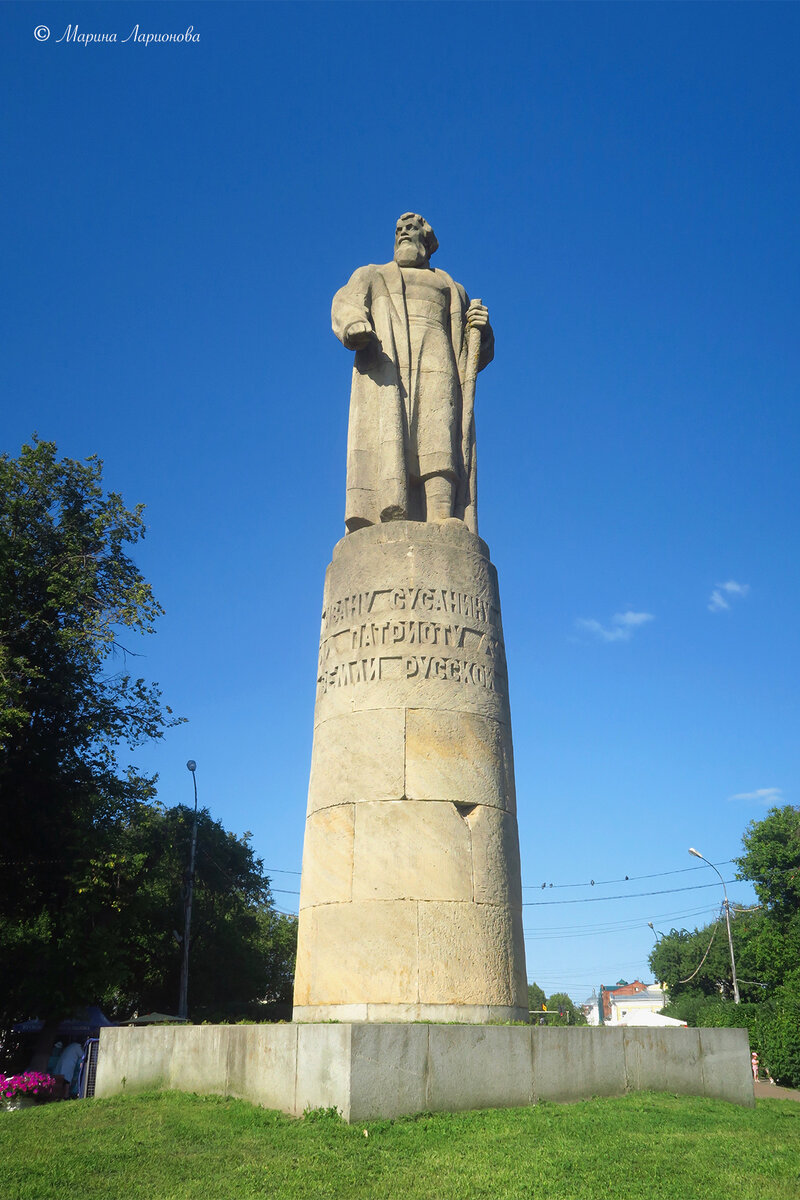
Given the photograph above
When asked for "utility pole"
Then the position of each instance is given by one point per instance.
(188, 893)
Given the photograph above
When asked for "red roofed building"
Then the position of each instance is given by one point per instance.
(619, 1000)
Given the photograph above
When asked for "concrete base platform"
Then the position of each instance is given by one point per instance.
(371, 1071)
(408, 1014)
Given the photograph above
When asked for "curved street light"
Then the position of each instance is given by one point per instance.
(183, 1001)
(727, 907)
(656, 933)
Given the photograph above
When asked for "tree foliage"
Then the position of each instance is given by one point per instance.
(777, 1035)
(698, 961)
(565, 1012)
(772, 860)
(68, 592)
(91, 870)
(536, 997)
(242, 951)
(696, 964)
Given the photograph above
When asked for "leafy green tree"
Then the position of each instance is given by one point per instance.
(565, 1011)
(772, 860)
(242, 951)
(536, 997)
(693, 962)
(777, 1034)
(92, 870)
(766, 940)
(696, 964)
(69, 591)
(687, 1006)
(279, 951)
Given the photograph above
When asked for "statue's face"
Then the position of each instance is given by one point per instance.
(409, 243)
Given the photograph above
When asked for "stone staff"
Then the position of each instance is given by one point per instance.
(468, 482)
(408, 323)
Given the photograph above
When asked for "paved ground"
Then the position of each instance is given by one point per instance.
(771, 1091)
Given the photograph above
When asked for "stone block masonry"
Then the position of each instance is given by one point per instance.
(377, 1071)
(411, 904)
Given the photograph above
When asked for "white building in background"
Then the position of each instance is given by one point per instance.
(646, 1017)
(626, 1003)
(591, 1009)
(636, 1007)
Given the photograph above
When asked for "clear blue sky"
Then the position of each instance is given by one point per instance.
(619, 183)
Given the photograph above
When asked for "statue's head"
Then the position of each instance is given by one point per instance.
(414, 241)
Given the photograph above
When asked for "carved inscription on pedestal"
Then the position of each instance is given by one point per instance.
(412, 633)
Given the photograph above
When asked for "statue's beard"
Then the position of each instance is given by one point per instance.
(411, 253)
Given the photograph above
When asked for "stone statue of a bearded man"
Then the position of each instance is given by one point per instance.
(410, 446)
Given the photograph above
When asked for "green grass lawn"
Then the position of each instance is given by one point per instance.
(169, 1146)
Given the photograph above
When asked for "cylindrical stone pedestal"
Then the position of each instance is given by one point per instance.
(410, 902)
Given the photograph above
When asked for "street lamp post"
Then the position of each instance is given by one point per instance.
(187, 909)
(727, 907)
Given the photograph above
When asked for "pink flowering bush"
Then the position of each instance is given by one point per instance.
(30, 1083)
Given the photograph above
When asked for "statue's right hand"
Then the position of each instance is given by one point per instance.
(358, 334)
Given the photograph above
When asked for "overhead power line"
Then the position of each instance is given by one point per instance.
(582, 899)
(581, 933)
(584, 972)
(689, 978)
(530, 887)
(630, 896)
(627, 924)
(624, 879)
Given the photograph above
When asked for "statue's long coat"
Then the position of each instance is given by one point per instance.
(377, 441)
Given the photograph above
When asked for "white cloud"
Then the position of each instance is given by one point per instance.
(771, 795)
(719, 599)
(620, 628)
(632, 618)
(734, 588)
